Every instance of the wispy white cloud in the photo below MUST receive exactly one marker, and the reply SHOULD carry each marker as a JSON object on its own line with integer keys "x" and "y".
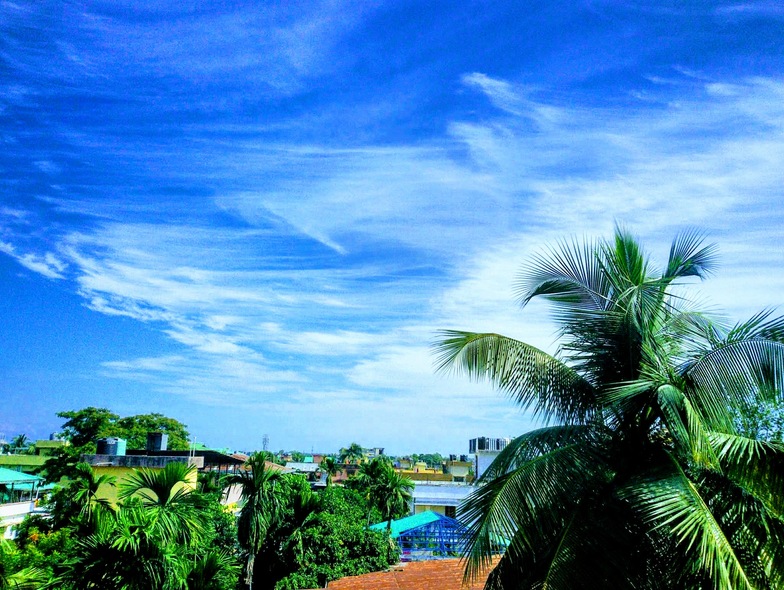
{"x": 46, "y": 264}
{"x": 337, "y": 266}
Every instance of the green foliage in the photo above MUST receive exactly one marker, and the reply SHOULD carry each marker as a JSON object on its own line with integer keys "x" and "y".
{"x": 337, "y": 544}
{"x": 764, "y": 421}
{"x": 383, "y": 488}
{"x": 354, "y": 453}
{"x": 62, "y": 464}
{"x": 19, "y": 444}
{"x": 331, "y": 467}
{"x": 83, "y": 427}
{"x": 640, "y": 477}
{"x": 163, "y": 535}
{"x": 41, "y": 553}
{"x": 134, "y": 429}
{"x": 263, "y": 491}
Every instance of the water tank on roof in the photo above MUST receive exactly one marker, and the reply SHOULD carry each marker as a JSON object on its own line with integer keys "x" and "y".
{"x": 111, "y": 445}
{"x": 157, "y": 441}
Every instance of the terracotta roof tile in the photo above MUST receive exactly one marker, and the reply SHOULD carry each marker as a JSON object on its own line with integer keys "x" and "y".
{"x": 441, "y": 574}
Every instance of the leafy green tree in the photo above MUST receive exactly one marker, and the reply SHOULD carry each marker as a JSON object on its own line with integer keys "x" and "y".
{"x": 641, "y": 480}
{"x": 62, "y": 464}
{"x": 125, "y": 552}
{"x": 384, "y": 489}
{"x": 297, "y": 457}
{"x": 215, "y": 570}
{"x": 765, "y": 421}
{"x": 83, "y": 427}
{"x": 304, "y": 509}
{"x": 134, "y": 430}
{"x": 335, "y": 543}
{"x": 394, "y": 494}
{"x": 19, "y": 579}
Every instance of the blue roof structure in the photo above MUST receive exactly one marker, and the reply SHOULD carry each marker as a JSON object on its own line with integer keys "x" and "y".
{"x": 427, "y": 535}
{"x": 9, "y": 476}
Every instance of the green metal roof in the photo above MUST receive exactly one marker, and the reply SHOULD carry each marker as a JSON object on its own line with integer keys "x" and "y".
{"x": 408, "y": 523}
{"x": 9, "y": 476}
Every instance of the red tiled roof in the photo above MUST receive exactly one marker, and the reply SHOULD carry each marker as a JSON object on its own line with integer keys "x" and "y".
{"x": 438, "y": 574}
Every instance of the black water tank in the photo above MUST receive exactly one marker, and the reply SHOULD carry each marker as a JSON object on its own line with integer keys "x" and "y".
{"x": 106, "y": 446}
{"x": 157, "y": 441}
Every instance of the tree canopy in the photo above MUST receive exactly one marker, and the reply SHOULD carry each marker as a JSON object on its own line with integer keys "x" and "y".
{"x": 639, "y": 477}
{"x": 83, "y": 427}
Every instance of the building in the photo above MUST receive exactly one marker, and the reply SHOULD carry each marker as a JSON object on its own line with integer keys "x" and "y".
{"x": 32, "y": 463}
{"x": 485, "y": 450}
{"x": 439, "y": 497}
{"x": 19, "y": 493}
{"x": 118, "y": 462}
{"x": 460, "y": 468}
{"x": 312, "y": 472}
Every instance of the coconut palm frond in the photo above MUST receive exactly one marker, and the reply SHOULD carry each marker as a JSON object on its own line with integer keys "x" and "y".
{"x": 527, "y": 503}
{"x": 533, "y": 378}
{"x": 674, "y": 502}
{"x": 690, "y": 256}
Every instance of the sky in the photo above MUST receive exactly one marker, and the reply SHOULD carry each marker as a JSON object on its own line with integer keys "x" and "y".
{"x": 255, "y": 217}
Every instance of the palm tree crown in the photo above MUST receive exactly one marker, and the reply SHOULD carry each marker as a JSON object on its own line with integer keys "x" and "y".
{"x": 639, "y": 478}
{"x": 353, "y": 454}
{"x": 262, "y": 502}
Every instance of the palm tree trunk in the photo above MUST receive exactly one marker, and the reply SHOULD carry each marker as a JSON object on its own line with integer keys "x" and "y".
{"x": 249, "y": 571}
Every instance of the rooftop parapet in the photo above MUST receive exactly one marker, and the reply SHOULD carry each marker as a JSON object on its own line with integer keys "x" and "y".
{"x": 137, "y": 461}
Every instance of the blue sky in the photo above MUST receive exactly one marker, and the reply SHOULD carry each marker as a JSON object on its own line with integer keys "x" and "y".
{"x": 254, "y": 217}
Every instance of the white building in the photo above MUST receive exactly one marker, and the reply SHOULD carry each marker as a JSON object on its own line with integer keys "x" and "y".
{"x": 440, "y": 497}
{"x": 485, "y": 450}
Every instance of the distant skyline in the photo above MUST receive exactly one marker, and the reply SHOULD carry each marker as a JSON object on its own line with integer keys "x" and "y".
{"x": 255, "y": 217}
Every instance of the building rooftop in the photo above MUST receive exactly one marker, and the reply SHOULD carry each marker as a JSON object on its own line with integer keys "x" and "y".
{"x": 9, "y": 476}
{"x": 407, "y": 523}
{"x": 442, "y": 574}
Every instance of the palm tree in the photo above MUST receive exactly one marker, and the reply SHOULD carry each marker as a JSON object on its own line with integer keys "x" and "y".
{"x": 304, "y": 506}
{"x": 368, "y": 479}
{"x": 168, "y": 494}
{"x": 262, "y": 502}
{"x": 393, "y": 495}
{"x": 353, "y": 454}
{"x": 329, "y": 466}
{"x": 639, "y": 478}
{"x": 384, "y": 488}
{"x": 126, "y": 552}
{"x": 207, "y": 573}
{"x": 84, "y": 491}
{"x": 19, "y": 443}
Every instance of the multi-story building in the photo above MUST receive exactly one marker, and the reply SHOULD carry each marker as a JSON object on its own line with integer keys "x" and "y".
{"x": 485, "y": 450}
